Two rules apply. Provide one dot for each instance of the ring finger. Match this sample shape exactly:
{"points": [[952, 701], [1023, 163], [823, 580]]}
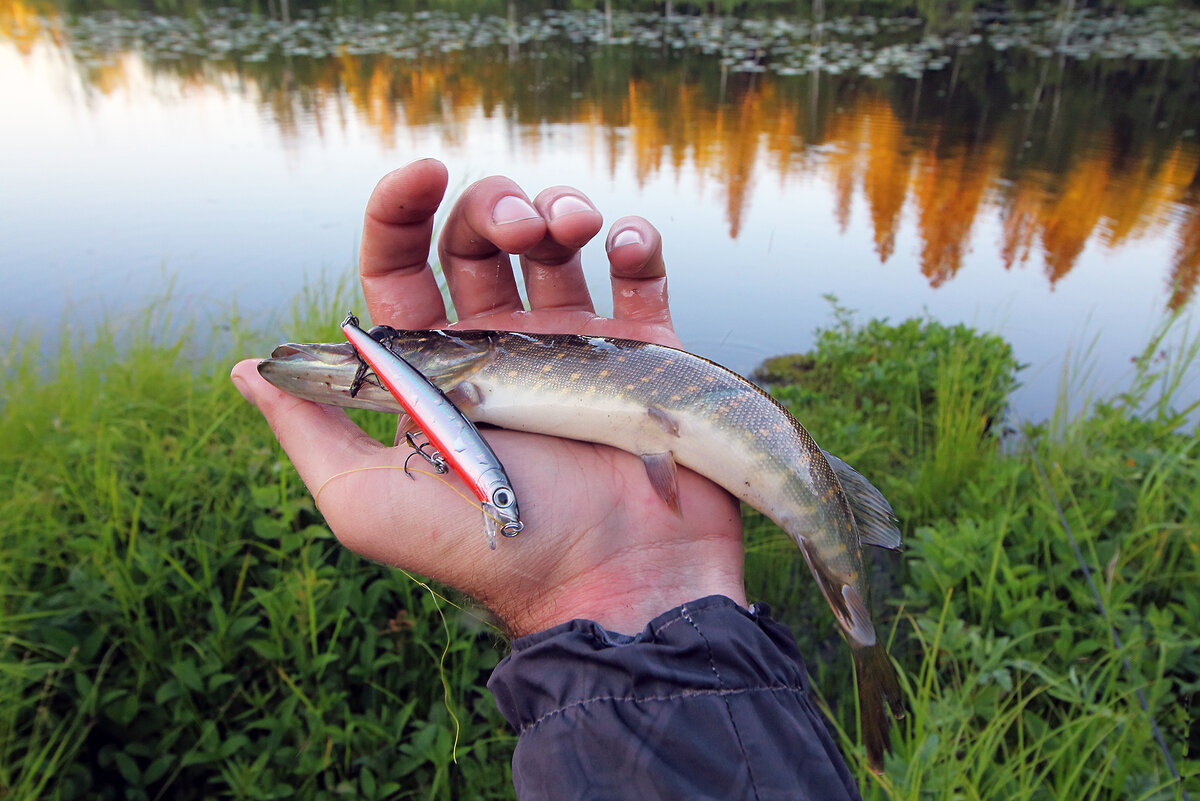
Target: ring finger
{"points": [[553, 269]]}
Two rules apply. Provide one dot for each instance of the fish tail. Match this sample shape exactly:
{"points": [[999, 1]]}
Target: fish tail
{"points": [[878, 687]]}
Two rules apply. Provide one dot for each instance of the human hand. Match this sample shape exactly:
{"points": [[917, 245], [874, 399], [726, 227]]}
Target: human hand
{"points": [[598, 542]]}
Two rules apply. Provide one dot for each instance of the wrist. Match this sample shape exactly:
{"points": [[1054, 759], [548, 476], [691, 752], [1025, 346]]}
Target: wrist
{"points": [[626, 592]]}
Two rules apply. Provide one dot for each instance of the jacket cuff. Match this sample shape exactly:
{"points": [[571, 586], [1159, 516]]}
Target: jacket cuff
{"points": [[709, 701], [707, 646]]}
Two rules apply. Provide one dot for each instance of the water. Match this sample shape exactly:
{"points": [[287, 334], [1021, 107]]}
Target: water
{"points": [[1028, 179]]}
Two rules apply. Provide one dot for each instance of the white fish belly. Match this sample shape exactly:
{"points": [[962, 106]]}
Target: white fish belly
{"points": [[628, 425]]}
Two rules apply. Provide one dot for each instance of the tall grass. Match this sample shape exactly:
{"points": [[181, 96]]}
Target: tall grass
{"points": [[177, 622], [1015, 688]]}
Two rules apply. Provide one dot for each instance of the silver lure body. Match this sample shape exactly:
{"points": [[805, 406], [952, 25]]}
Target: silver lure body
{"points": [[456, 440]]}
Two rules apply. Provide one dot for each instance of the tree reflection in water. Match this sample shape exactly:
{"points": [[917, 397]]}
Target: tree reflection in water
{"points": [[1075, 136]]}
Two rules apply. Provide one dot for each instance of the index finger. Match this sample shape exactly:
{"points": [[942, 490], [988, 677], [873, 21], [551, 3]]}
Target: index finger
{"points": [[393, 258]]}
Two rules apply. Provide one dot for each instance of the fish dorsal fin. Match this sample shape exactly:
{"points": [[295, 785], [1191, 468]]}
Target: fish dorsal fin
{"points": [[664, 477], [873, 514]]}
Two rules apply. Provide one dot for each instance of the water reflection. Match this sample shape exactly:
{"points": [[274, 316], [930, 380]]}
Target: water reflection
{"points": [[987, 125]]}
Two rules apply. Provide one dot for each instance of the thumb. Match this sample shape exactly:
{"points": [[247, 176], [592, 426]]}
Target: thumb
{"points": [[370, 510]]}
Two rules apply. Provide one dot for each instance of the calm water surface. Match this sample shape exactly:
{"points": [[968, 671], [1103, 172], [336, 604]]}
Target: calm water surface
{"points": [[1033, 180]]}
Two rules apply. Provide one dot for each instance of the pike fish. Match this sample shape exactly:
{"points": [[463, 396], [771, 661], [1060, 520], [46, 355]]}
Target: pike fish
{"points": [[671, 408]]}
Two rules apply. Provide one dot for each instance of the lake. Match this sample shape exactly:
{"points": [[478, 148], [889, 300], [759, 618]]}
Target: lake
{"points": [[1023, 175]]}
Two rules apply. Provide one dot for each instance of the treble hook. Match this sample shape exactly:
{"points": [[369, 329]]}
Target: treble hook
{"points": [[360, 375], [435, 459]]}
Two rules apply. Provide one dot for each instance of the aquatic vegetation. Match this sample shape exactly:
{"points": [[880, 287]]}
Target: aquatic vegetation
{"points": [[866, 46]]}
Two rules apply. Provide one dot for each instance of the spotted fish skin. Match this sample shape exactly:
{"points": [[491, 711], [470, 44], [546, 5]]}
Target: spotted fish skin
{"points": [[650, 400]]}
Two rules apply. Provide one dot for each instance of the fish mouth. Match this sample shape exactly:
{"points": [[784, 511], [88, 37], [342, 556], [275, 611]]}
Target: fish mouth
{"points": [[336, 354], [323, 372]]}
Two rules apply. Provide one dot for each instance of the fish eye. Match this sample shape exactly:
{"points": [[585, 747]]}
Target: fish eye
{"points": [[502, 498], [381, 332]]}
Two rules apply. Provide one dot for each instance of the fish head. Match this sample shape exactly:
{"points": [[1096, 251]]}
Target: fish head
{"points": [[323, 373], [444, 356]]}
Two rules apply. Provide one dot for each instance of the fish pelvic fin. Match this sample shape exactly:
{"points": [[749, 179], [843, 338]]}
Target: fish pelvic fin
{"points": [[664, 420], [872, 513], [664, 477], [878, 693]]}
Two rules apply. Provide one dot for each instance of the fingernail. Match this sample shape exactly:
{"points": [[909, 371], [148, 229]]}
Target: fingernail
{"points": [[569, 204], [629, 236], [511, 209]]}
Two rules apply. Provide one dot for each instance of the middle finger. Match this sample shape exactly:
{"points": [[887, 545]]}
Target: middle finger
{"points": [[492, 219]]}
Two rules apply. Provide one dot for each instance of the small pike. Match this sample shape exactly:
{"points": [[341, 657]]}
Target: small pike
{"points": [[669, 407]]}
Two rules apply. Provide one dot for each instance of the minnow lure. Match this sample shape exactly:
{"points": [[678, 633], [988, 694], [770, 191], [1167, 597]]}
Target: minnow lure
{"points": [[454, 438]]}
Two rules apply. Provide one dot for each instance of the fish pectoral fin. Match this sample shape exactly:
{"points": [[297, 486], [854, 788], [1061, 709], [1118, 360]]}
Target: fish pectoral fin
{"points": [[466, 396], [872, 513], [664, 477], [405, 426]]}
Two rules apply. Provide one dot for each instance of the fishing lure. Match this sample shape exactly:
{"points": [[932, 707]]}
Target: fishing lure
{"points": [[453, 438]]}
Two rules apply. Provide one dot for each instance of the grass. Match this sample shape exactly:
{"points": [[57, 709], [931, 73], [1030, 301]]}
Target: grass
{"points": [[177, 622], [1015, 688]]}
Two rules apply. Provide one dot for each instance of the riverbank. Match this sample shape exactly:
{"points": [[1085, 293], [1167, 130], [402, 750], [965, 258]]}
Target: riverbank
{"points": [[178, 622]]}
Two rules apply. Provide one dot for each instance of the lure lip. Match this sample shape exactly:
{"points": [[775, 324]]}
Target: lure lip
{"points": [[455, 439]]}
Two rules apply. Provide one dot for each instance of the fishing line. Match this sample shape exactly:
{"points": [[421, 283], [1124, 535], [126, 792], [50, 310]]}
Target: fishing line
{"points": [[1158, 738], [446, 700], [470, 502], [442, 661]]}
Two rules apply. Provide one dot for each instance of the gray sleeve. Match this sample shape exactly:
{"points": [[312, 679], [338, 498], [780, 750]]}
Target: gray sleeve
{"points": [[710, 701]]}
